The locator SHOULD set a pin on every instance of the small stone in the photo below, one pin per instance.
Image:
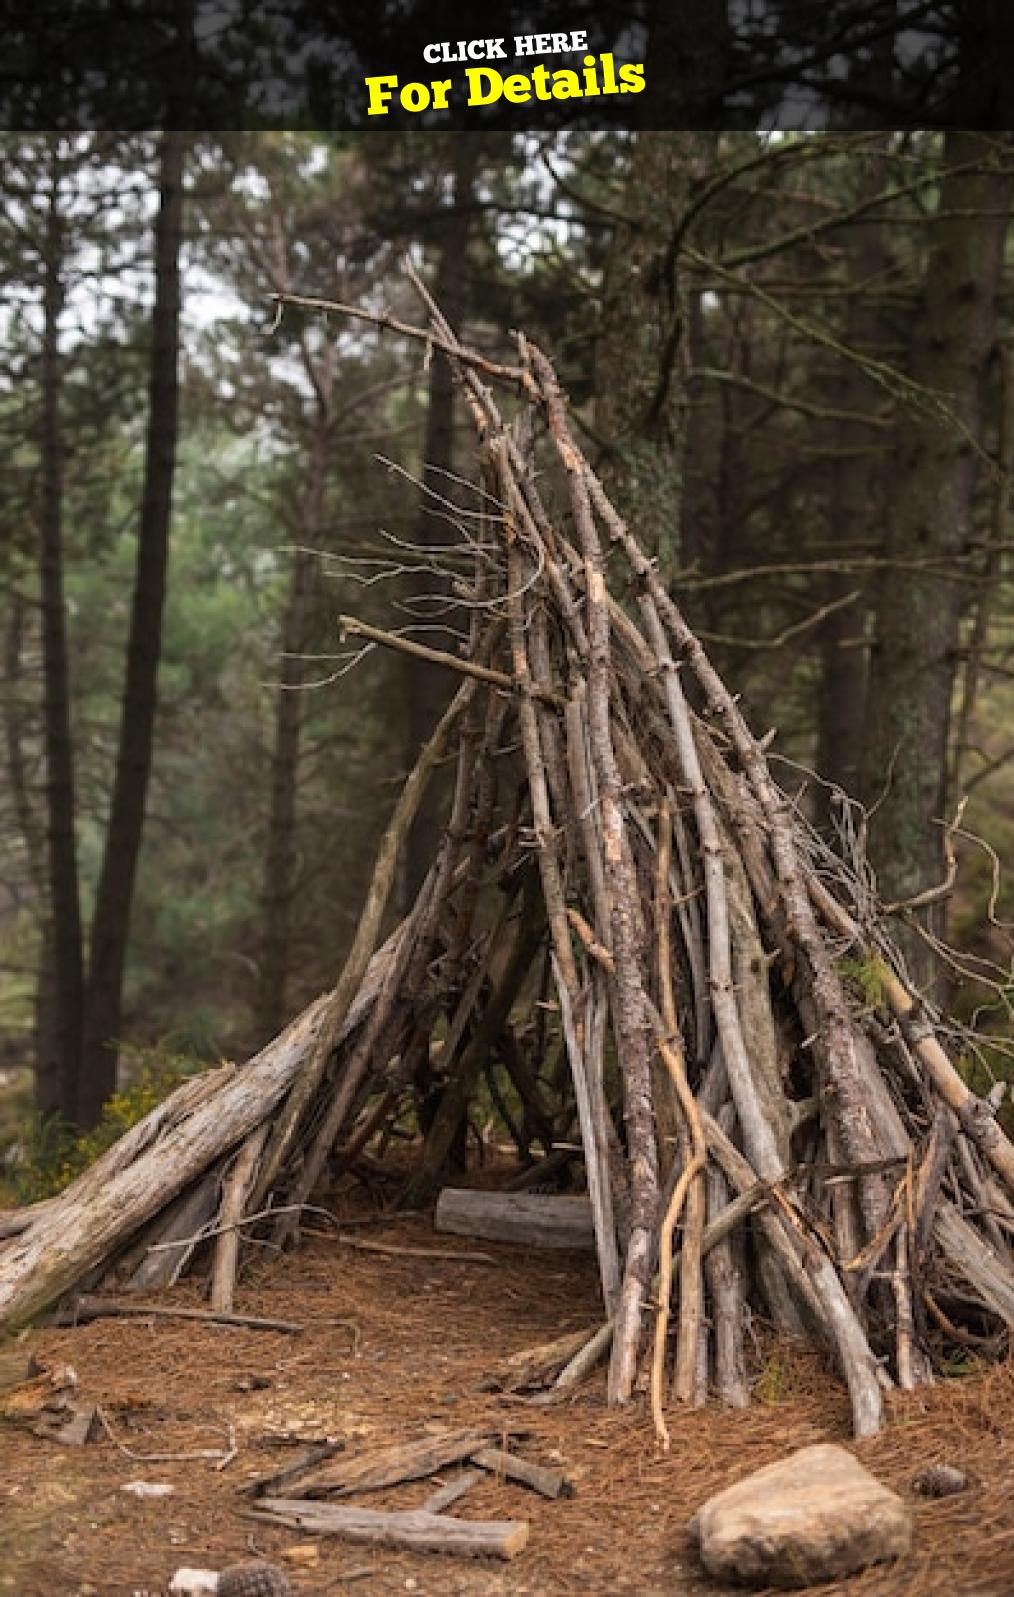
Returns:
(817, 1515)
(940, 1480)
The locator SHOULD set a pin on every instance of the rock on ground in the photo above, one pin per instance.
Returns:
(817, 1515)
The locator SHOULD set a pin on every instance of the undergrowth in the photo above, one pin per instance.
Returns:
(46, 1153)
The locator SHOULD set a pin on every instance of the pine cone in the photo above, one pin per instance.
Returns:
(940, 1480)
(254, 1580)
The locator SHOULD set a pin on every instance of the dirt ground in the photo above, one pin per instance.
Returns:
(393, 1345)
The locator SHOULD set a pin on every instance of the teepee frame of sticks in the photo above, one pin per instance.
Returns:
(755, 1132)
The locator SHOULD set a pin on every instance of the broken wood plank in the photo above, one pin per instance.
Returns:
(389, 1466)
(308, 1459)
(87, 1307)
(453, 1491)
(550, 1483)
(525, 1218)
(413, 1530)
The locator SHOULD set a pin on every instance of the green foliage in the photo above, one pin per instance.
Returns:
(865, 978)
(49, 1154)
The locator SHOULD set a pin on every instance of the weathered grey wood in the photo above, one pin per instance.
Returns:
(728, 1301)
(389, 1466)
(453, 1491)
(142, 1172)
(969, 1256)
(585, 1359)
(415, 1530)
(235, 1189)
(527, 1219)
(550, 1483)
(182, 1222)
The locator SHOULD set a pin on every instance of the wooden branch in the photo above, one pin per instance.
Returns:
(152, 1163)
(87, 1307)
(985, 1131)
(689, 1188)
(945, 887)
(469, 357)
(497, 1461)
(396, 1250)
(411, 1530)
(585, 1360)
(237, 1185)
(350, 626)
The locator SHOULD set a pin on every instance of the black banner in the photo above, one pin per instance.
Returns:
(386, 65)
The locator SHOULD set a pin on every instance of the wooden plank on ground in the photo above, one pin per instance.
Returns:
(413, 1530)
(526, 1218)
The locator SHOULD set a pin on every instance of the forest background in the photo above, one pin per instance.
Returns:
(790, 356)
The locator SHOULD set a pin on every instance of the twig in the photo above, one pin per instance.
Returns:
(365, 1245)
(351, 626)
(425, 335)
(218, 1456)
(87, 1307)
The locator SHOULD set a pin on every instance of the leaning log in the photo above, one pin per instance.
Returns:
(154, 1162)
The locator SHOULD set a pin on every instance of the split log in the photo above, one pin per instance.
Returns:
(410, 1530)
(526, 1219)
(390, 1466)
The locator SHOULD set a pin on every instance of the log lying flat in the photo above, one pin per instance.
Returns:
(527, 1219)
(413, 1530)
(390, 1466)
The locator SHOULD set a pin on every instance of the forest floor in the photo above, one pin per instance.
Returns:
(395, 1344)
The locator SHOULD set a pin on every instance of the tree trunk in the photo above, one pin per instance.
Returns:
(854, 490)
(919, 605)
(111, 921)
(57, 1082)
(643, 352)
(425, 686)
(280, 854)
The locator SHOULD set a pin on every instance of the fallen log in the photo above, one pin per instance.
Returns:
(527, 1219)
(411, 1530)
(391, 1466)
